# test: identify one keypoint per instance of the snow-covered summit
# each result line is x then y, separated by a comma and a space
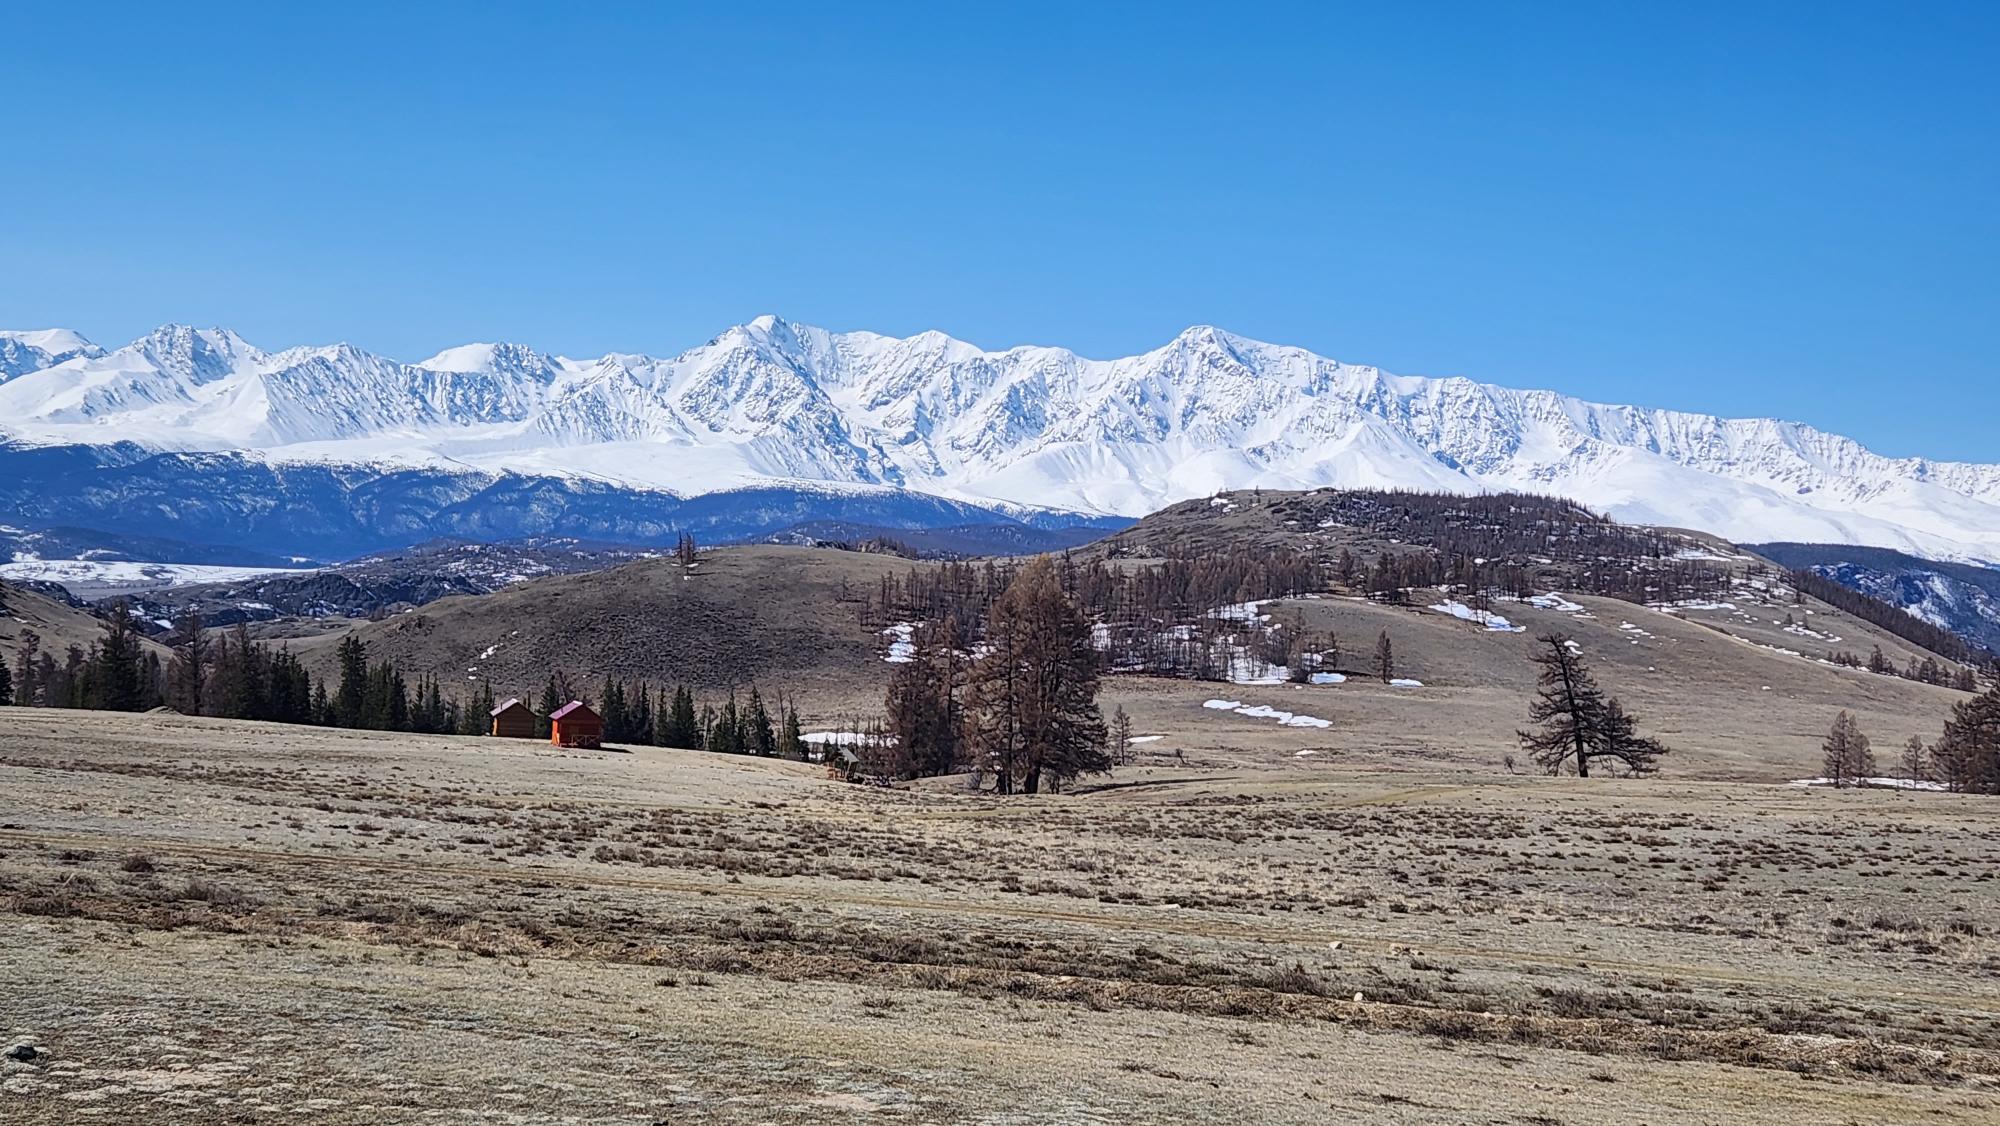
774, 399
29, 350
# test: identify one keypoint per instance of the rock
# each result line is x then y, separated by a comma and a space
1333, 946
24, 1052
1357, 997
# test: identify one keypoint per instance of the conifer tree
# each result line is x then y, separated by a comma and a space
926, 726
352, 696
1968, 754
552, 699
1916, 760
1121, 736
475, 718
188, 667
725, 735
26, 684
6, 685
758, 736
791, 741
617, 728
684, 729
116, 676
1846, 757
1385, 658
1033, 695
1577, 722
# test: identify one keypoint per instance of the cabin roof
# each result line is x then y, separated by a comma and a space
509, 702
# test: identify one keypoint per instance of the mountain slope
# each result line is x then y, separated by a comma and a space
1961, 597
772, 402
25, 351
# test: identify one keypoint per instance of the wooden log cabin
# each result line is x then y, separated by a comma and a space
513, 720
575, 725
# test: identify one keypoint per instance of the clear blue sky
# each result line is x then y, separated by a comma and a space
1789, 210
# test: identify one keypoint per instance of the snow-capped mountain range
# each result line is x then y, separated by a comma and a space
777, 404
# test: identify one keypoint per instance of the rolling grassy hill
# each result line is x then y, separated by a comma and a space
1741, 684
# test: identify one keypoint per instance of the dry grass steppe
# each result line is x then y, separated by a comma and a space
207, 921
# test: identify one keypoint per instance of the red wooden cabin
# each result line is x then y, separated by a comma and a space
513, 720
575, 725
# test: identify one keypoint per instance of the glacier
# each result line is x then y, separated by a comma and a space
776, 403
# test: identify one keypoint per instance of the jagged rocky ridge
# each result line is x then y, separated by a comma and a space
351, 438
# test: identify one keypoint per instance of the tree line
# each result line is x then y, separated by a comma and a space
638, 713
233, 676
1894, 619
1929, 670
1965, 758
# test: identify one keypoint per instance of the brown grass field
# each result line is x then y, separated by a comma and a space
206, 921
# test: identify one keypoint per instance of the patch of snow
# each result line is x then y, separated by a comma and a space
1879, 783
1328, 678
1138, 739
1265, 711
903, 649
1691, 604
1493, 622
130, 573
839, 738
1553, 601
1405, 682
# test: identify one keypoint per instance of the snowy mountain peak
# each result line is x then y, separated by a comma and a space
772, 399
200, 354
26, 350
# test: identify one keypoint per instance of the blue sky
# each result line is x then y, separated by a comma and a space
1789, 210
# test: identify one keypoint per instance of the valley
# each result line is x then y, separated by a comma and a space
1340, 892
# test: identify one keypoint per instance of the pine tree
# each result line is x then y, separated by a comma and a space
925, 709
6, 685
1121, 736
188, 667
476, 717
351, 698
116, 678
683, 729
1846, 758
246, 690
791, 741
758, 736
617, 726
1033, 696
552, 700
725, 734
27, 690
1916, 760
639, 715
1385, 658
1577, 722
1968, 754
